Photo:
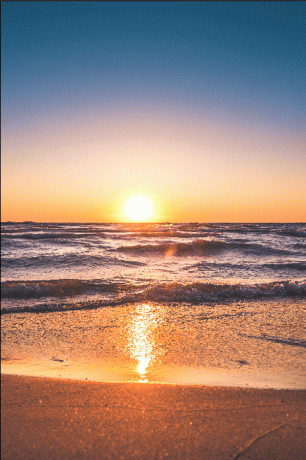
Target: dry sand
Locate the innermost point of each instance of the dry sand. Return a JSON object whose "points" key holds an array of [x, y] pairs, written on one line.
{"points": [[65, 419]]}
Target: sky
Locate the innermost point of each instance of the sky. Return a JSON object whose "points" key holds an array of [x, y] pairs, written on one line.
{"points": [[198, 106]]}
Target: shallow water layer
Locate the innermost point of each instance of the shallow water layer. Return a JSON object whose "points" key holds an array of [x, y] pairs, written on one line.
{"points": [[257, 344]]}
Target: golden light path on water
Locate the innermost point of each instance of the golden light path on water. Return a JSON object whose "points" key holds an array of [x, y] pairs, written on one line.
{"points": [[141, 345]]}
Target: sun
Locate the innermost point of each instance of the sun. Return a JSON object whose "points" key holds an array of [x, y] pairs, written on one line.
{"points": [[138, 208]]}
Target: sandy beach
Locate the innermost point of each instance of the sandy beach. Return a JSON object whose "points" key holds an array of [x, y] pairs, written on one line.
{"points": [[44, 418]]}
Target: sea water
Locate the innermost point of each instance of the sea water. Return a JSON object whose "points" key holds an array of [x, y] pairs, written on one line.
{"points": [[175, 303]]}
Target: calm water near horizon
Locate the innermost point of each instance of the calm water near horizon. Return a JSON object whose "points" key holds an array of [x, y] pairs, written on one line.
{"points": [[174, 303]]}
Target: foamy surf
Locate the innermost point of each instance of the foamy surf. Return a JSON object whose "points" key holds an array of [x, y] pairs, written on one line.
{"points": [[82, 294], [64, 267]]}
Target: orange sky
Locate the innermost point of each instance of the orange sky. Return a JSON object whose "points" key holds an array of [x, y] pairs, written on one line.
{"points": [[184, 183]]}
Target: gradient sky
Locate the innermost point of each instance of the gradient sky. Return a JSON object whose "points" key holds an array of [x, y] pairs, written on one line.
{"points": [[199, 106]]}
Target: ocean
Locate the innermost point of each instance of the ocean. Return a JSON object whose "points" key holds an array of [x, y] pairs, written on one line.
{"points": [[181, 303]]}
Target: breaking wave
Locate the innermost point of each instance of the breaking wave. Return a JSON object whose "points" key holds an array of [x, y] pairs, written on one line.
{"points": [[198, 246], [119, 293], [58, 288]]}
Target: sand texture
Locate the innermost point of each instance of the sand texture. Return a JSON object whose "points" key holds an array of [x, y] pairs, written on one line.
{"points": [[65, 419]]}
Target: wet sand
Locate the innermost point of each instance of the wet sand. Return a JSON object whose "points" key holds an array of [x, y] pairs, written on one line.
{"points": [[45, 418]]}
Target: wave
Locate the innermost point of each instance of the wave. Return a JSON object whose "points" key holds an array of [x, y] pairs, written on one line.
{"points": [[261, 229], [21, 234], [175, 249], [246, 266], [196, 292], [119, 293], [33, 234], [47, 236], [168, 234], [296, 233], [18, 230], [68, 260], [284, 266], [55, 288], [199, 246]]}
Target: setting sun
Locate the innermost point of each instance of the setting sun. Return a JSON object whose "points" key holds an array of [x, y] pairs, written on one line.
{"points": [[138, 208]]}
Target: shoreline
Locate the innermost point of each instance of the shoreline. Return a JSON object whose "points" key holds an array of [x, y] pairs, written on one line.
{"points": [[127, 372], [59, 418]]}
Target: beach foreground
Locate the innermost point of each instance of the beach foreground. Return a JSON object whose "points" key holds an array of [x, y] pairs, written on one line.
{"points": [[65, 419]]}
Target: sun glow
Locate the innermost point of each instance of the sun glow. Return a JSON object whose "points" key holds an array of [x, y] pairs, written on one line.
{"points": [[138, 208]]}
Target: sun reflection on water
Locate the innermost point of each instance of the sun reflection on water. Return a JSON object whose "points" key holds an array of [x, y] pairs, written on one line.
{"points": [[143, 364], [141, 368], [142, 346]]}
